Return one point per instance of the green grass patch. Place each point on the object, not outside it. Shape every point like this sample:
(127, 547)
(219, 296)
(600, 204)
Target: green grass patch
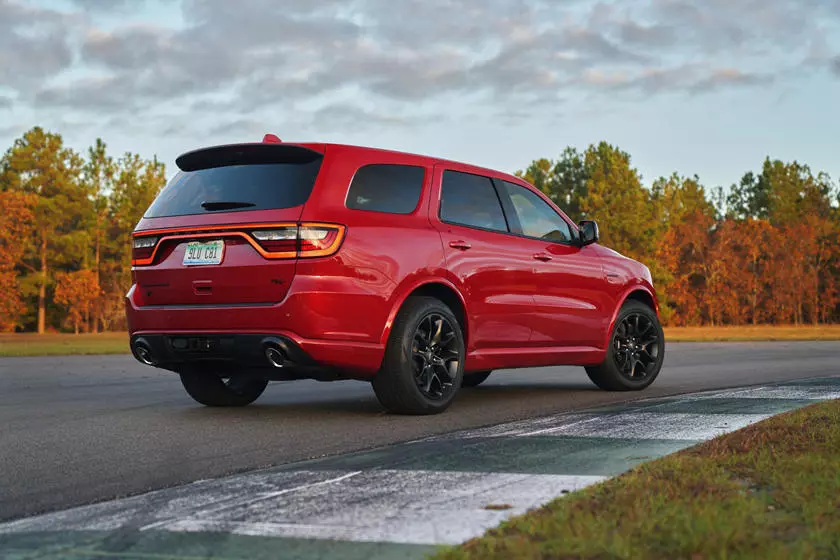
(63, 344)
(752, 333)
(770, 491)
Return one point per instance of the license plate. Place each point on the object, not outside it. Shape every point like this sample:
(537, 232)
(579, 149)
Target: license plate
(200, 253)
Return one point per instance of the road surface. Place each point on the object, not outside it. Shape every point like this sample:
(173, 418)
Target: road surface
(74, 430)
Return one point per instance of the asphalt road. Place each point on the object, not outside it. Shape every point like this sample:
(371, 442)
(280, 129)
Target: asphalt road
(74, 430)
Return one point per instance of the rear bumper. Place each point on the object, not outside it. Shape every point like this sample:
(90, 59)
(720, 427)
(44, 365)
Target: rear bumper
(247, 352)
(237, 335)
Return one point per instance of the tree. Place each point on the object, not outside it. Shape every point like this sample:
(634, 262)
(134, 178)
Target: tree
(78, 292)
(16, 224)
(615, 196)
(40, 165)
(563, 181)
(99, 176)
(136, 183)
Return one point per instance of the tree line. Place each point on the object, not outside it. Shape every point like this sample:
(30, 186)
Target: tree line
(764, 250)
(65, 254)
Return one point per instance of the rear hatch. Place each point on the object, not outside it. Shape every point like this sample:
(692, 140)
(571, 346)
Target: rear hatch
(224, 231)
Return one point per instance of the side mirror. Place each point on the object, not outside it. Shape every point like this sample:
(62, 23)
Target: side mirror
(588, 232)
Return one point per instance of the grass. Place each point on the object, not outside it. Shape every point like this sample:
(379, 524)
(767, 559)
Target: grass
(63, 344)
(750, 333)
(770, 491)
(117, 343)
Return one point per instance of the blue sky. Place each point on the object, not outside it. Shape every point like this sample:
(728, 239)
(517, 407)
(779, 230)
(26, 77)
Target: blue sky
(706, 86)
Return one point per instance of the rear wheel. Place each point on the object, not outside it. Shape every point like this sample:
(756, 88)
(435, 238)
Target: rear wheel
(424, 359)
(474, 379)
(210, 389)
(636, 351)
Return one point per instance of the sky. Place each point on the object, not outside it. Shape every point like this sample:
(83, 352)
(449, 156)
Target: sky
(706, 87)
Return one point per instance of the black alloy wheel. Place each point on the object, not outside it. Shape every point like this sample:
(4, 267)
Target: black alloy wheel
(423, 365)
(436, 354)
(636, 345)
(636, 351)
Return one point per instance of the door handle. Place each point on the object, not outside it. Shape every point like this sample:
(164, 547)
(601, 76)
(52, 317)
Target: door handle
(544, 257)
(613, 278)
(462, 245)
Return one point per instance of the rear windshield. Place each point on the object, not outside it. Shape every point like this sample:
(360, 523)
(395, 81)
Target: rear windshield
(261, 186)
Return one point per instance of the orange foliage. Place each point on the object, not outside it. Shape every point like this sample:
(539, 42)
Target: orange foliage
(750, 271)
(77, 291)
(16, 223)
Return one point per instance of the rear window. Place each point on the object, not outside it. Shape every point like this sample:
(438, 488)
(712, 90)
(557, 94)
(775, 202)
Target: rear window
(253, 186)
(394, 189)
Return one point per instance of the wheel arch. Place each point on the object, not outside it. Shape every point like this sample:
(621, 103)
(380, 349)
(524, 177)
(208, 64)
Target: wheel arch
(439, 288)
(637, 292)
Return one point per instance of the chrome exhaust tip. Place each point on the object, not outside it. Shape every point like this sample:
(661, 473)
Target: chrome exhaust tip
(275, 356)
(144, 355)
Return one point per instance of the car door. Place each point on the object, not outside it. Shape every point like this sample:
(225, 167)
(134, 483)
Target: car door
(494, 269)
(571, 300)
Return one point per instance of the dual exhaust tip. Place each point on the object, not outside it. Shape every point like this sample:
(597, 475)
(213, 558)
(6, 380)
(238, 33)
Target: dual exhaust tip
(274, 354)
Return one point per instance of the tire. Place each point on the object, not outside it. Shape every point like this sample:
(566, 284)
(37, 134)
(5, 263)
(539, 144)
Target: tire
(209, 389)
(475, 379)
(418, 375)
(637, 335)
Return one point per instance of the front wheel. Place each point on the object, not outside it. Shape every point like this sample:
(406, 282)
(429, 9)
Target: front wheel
(209, 389)
(636, 351)
(424, 359)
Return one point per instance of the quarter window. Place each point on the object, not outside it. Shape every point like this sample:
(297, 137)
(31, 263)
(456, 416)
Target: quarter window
(471, 200)
(537, 218)
(394, 189)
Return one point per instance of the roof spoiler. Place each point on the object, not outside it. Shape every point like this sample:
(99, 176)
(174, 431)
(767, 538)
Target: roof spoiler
(269, 151)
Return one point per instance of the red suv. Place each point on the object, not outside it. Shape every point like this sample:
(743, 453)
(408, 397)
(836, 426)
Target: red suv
(272, 261)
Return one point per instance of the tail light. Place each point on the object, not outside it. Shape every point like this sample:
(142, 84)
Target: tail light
(274, 241)
(280, 240)
(304, 240)
(143, 248)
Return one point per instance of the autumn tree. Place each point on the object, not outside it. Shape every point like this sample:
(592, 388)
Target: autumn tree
(16, 223)
(40, 165)
(77, 291)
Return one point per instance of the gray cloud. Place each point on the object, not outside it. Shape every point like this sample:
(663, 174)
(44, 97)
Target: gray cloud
(835, 65)
(635, 33)
(688, 78)
(34, 44)
(251, 58)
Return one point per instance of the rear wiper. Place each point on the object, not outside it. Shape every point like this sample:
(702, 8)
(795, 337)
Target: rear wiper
(225, 205)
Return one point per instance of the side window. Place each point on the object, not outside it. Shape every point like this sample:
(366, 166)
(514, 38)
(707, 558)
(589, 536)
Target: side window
(471, 200)
(537, 218)
(394, 189)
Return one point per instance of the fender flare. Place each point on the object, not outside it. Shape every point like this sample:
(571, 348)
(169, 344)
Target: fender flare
(403, 292)
(623, 299)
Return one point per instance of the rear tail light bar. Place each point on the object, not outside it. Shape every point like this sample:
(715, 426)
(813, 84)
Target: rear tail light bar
(272, 241)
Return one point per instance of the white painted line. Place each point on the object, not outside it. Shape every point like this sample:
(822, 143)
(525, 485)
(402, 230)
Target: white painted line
(653, 425)
(794, 392)
(641, 424)
(411, 507)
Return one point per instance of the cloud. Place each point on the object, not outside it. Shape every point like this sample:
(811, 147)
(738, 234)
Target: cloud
(835, 65)
(688, 78)
(386, 62)
(34, 44)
